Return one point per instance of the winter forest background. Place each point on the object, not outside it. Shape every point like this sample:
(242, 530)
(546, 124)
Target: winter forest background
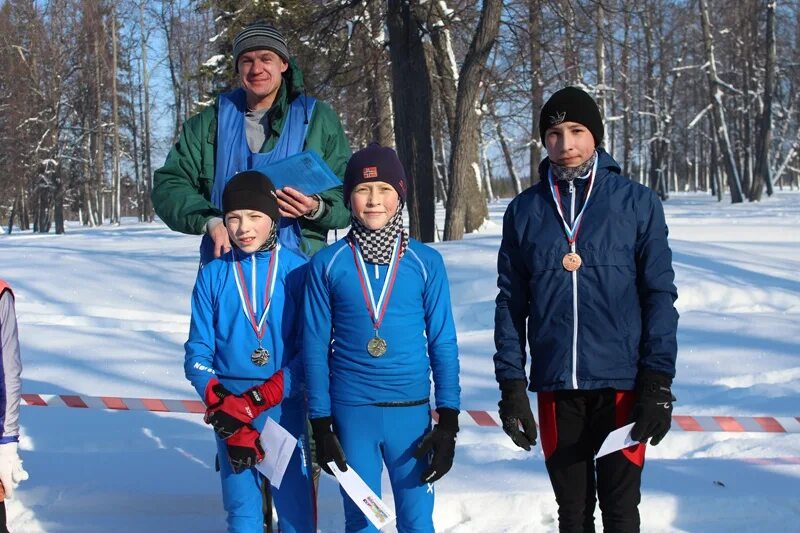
(698, 95)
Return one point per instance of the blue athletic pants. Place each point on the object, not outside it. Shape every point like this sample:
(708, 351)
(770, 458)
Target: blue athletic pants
(294, 501)
(372, 435)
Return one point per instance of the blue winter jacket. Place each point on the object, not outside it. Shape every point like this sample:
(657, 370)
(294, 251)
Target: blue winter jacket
(418, 328)
(221, 338)
(598, 326)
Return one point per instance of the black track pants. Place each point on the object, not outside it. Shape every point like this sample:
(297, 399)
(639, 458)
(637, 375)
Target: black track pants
(573, 425)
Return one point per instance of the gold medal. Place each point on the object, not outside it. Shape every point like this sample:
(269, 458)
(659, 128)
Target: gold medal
(260, 356)
(571, 261)
(376, 346)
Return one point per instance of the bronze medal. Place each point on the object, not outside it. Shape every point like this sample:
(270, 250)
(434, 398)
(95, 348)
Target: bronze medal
(260, 356)
(571, 261)
(376, 346)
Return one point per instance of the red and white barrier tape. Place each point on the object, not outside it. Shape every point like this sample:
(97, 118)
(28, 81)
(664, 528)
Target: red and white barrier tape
(730, 424)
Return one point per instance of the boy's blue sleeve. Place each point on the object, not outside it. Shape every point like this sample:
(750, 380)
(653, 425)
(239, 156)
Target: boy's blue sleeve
(293, 371)
(441, 332)
(657, 292)
(198, 364)
(317, 339)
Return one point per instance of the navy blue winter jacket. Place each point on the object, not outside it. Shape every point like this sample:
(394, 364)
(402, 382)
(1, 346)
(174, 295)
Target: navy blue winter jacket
(596, 327)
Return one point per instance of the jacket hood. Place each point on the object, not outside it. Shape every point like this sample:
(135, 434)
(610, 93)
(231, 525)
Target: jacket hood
(604, 162)
(295, 84)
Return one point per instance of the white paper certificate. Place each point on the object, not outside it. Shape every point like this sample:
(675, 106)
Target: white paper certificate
(617, 440)
(279, 445)
(373, 507)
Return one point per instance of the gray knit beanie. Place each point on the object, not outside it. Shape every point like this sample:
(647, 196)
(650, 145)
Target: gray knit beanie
(259, 36)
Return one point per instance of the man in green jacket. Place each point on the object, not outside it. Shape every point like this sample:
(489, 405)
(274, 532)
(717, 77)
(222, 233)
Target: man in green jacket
(267, 119)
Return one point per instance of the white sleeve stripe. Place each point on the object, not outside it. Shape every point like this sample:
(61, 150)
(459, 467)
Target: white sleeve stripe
(421, 264)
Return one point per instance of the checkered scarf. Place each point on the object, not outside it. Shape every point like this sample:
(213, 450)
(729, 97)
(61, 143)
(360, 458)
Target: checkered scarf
(376, 245)
(272, 240)
(570, 173)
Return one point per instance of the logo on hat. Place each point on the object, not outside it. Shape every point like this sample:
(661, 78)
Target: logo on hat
(370, 172)
(558, 118)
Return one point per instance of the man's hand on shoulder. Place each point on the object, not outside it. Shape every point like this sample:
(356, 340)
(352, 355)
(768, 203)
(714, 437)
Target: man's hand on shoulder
(219, 234)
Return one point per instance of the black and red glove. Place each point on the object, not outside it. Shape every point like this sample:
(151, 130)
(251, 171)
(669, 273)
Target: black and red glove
(228, 412)
(244, 449)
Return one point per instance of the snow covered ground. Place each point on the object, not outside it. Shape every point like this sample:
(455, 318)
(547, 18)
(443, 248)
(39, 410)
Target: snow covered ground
(106, 311)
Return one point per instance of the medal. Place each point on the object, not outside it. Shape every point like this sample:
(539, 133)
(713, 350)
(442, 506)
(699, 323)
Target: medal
(260, 355)
(571, 260)
(377, 346)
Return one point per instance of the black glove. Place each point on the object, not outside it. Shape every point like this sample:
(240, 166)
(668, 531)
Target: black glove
(652, 412)
(244, 449)
(328, 447)
(515, 411)
(442, 440)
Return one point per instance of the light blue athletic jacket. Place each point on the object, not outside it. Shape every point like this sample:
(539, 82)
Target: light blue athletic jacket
(221, 338)
(418, 328)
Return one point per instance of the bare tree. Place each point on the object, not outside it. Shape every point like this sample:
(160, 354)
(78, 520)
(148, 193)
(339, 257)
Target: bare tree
(464, 187)
(412, 128)
(715, 86)
(763, 140)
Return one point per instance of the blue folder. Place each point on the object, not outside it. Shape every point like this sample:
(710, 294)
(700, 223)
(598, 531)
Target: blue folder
(305, 172)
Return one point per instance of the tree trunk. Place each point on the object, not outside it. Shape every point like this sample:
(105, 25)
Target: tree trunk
(764, 139)
(537, 84)
(117, 181)
(464, 191)
(600, 60)
(445, 61)
(507, 156)
(379, 94)
(148, 169)
(99, 147)
(572, 60)
(58, 202)
(14, 205)
(627, 132)
(715, 94)
(412, 125)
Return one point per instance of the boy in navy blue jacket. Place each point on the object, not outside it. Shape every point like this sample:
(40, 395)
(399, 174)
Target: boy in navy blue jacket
(378, 321)
(585, 270)
(243, 357)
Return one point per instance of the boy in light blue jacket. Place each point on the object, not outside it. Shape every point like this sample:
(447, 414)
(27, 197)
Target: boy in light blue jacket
(243, 358)
(377, 323)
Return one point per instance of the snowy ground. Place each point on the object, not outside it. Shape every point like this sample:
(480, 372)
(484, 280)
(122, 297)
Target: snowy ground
(105, 312)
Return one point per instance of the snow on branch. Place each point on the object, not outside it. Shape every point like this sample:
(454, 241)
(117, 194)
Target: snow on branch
(699, 116)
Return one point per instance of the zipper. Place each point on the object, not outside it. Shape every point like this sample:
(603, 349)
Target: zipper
(574, 294)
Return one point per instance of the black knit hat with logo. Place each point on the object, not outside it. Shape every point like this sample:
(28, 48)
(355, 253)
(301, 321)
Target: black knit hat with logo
(259, 36)
(571, 104)
(374, 163)
(250, 190)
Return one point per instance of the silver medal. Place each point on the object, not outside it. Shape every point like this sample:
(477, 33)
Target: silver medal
(260, 356)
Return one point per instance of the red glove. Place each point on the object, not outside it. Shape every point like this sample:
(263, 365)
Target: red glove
(227, 413)
(244, 449)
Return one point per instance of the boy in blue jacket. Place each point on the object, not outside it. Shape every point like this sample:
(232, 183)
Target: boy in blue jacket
(585, 277)
(378, 321)
(242, 356)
